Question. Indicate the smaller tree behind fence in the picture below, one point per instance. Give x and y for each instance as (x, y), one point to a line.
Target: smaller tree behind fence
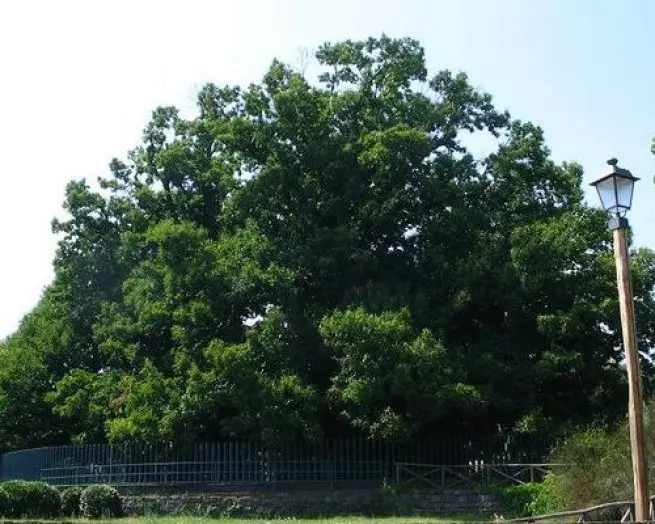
(255, 463)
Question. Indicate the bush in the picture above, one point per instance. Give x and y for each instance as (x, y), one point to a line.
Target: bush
(517, 499)
(547, 498)
(4, 501)
(597, 463)
(530, 499)
(99, 501)
(596, 468)
(70, 501)
(31, 499)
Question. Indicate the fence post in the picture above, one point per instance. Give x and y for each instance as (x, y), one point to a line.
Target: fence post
(334, 474)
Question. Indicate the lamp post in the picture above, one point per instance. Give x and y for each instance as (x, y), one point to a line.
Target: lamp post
(615, 191)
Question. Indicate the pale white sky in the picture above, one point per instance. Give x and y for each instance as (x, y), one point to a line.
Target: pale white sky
(78, 80)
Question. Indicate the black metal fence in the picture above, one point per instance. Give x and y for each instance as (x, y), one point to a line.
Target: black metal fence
(255, 463)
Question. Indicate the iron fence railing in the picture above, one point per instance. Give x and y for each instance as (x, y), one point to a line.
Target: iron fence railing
(219, 472)
(256, 463)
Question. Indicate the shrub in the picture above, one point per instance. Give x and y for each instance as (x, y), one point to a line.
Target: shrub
(596, 468)
(70, 501)
(547, 498)
(4, 501)
(530, 499)
(517, 499)
(597, 464)
(31, 499)
(99, 501)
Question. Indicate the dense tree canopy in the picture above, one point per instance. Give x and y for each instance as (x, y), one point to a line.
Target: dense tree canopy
(307, 258)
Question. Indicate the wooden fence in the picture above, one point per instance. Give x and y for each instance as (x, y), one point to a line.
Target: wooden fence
(442, 476)
(625, 511)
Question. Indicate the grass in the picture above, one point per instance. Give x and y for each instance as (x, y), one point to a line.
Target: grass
(450, 519)
(339, 520)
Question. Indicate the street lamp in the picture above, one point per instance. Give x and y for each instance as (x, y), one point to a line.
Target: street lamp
(615, 191)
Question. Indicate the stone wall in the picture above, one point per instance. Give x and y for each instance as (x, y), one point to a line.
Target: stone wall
(310, 503)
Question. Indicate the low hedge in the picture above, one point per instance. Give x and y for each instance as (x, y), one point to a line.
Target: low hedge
(4, 501)
(29, 499)
(70, 501)
(100, 500)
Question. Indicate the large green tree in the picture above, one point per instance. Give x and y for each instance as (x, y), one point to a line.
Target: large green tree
(307, 258)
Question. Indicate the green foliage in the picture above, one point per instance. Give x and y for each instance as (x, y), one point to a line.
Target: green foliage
(391, 379)
(548, 498)
(306, 258)
(4, 501)
(532, 498)
(70, 501)
(100, 501)
(31, 499)
(598, 468)
(517, 499)
(597, 465)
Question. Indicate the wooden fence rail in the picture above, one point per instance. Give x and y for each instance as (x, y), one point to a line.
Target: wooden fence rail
(444, 476)
(585, 515)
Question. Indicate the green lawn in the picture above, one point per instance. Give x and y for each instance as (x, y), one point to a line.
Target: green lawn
(339, 520)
